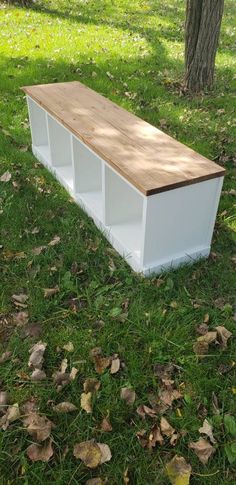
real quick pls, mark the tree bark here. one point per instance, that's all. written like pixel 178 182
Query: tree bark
pixel 203 21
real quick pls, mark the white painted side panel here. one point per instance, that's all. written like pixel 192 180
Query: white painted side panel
pixel 180 222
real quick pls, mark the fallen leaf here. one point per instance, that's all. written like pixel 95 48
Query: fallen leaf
pixel 91 385
pixel 38 250
pixel 20 318
pixel 64 365
pixel 85 401
pixel 36 355
pixel 209 337
pixel 95 481
pixel 22 298
pixel 54 241
pixel 5 356
pixel 33 330
pixel 223 335
pixel 128 395
pixel 115 365
pixel 105 451
pixel 149 439
pixel 38 375
pixel 106 425
pixel 203 450
pixel 73 373
pixel 163 371
pixel 178 471
pixel 64 407
pixel 68 347
pixel 36 452
pixel 13 413
pixel 207 429
pixel 144 410
pixel 166 428
pixel 61 378
pixel 200 348
pixel 89 452
pixel 5 177
pixel 3 401
pixel 174 439
pixel 101 363
pixel 202 329
pixel 39 427
pixel 48 292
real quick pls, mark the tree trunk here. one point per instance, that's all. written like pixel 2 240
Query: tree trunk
pixel 203 20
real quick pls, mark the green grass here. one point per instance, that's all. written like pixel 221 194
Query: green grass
pixel 141 44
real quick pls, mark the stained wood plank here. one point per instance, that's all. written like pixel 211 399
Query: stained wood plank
pixel 148 158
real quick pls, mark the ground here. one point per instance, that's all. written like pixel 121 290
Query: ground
pixel 132 52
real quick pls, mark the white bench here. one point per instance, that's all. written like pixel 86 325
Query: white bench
pixel 154 198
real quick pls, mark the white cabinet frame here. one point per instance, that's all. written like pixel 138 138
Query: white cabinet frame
pixel 152 233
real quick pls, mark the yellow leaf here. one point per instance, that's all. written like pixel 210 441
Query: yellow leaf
pixel 178 471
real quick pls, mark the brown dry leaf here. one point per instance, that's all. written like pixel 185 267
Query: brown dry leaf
pixel 202 329
pixel 168 396
pixel 163 371
pixel 178 471
pixel 36 355
pixel 85 401
pixel 174 439
pixel 5 177
pixel 3 401
pixel 38 375
pixel 200 348
pixel 203 450
pixel 12 414
pixel 91 385
pixel 61 378
pixel 105 451
pixel 166 428
pixel 20 318
pixel 48 292
pixel 73 373
pixel 106 425
pixel 207 429
pixel 101 363
pixel 128 395
pixel 39 427
pixel 37 452
pixel 21 298
pixel 33 330
pixel 38 250
pixel 68 347
pixel 143 410
pixel 223 335
pixel 89 452
pixel 64 407
pixel 5 356
pixel 64 365
pixel 115 365
pixel 150 439
pixel 54 241
pixel 209 337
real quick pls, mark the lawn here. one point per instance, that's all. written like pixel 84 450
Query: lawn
pixel 133 53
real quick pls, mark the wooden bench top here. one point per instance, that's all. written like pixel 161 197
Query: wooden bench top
pixel 148 158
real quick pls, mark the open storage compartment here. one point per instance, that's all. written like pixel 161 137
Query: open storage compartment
pixel 124 216
pixel 60 148
pixel 88 188
pixel 39 131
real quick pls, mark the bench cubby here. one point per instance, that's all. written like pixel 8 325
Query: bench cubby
pixel 39 131
pixel 88 179
pixel 153 198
